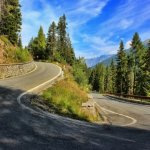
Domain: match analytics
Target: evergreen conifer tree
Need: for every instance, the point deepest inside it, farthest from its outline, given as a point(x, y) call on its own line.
point(130, 74)
point(92, 77)
point(61, 31)
point(137, 50)
point(37, 45)
point(70, 55)
point(107, 82)
point(121, 70)
point(11, 20)
point(20, 42)
point(51, 43)
point(112, 77)
point(41, 40)
point(145, 74)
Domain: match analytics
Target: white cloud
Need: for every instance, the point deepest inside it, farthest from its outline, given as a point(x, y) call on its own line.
point(33, 19)
point(100, 45)
point(87, 54)
point(128, 44)
point(127, 16)
point(124, 24)
point(77, 15)
point(145, 35)
point(86, 10)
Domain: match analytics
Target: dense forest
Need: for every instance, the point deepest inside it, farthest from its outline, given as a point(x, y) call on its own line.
point(129, 75)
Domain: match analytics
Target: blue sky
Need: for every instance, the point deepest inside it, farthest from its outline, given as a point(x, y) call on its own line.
point(95, 26)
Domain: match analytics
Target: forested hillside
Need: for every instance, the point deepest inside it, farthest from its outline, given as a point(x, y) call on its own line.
point(11, 50)
point(131, 73)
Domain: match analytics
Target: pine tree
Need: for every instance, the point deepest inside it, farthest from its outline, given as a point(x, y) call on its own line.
point(11, 20)
point(96, 79)
point(101, 70)
point(61, 31)
point(64, 45)
point(29, 47)
point(20, 42)
point(70, 55)
point(41, 37)
point(147, 58)
point(145, 74)
point(80, 72)
point(107, 82)
point(41, 40)
point(2, 6)
point(121, 70)
point(99, 78)
point(130, 74)
point(37, 45)
point(92, 78)
point(137, 50)
point(51, 43)
point(112, 77)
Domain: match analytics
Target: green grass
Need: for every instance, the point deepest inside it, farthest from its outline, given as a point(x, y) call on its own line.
point(66, 98)
point(10, 53)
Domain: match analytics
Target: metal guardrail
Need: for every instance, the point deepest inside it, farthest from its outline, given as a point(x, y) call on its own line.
point(131, 96)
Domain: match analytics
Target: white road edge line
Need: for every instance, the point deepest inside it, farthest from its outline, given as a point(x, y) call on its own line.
point(133, 119)
point(33, 89)
point(32, 110)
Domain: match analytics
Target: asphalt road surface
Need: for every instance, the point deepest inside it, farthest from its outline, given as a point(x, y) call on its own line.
point(124, 113)
point(22, 129)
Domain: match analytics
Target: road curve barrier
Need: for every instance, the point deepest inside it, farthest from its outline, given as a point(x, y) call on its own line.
point(18, 69)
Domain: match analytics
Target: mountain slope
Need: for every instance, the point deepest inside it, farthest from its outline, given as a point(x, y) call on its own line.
point(106, 59)
point(93, 61)
point(10, 53)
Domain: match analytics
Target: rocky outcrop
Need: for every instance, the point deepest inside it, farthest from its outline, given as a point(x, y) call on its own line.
point(12, 70)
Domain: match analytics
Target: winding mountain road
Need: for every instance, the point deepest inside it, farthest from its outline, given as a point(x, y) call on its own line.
point(22, 129)
point(121, 113)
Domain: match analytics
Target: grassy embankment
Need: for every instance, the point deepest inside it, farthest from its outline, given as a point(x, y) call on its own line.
point(11, 53)
point(66, 98)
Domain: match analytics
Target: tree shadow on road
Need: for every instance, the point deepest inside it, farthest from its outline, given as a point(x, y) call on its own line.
point(29, 128)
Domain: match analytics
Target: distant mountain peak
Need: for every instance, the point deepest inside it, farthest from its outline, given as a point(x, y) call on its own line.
point(95, 60)
point(106, 59)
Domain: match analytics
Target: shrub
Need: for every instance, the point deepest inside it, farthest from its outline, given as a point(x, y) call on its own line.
point(23, 55)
